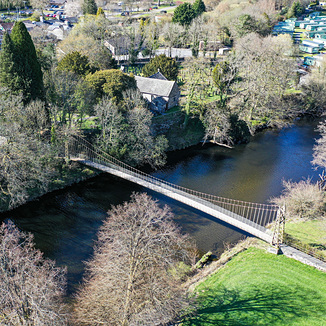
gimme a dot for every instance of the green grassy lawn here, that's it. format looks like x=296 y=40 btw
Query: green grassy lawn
x=312 y=233
x=259 y=288
x=171 y=10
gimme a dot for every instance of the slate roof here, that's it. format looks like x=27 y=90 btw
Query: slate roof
x=158 y=75
x=6 y=26
x=154 y=86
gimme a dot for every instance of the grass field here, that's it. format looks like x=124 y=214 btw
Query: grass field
x=259 y=288
x=312 y=233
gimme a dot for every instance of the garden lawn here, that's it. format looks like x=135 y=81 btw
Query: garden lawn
x=259 y=288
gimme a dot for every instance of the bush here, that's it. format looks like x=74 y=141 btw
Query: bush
x=302 y=200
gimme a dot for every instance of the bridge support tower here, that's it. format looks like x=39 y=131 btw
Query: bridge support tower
x=278 y=232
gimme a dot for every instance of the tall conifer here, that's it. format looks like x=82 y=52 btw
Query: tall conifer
x=8 y=72
x=26 y=63
x=89 y=7
x=199 y=7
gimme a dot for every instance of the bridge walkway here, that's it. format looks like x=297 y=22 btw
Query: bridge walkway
x=249 y=217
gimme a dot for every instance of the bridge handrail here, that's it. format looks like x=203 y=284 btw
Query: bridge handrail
x=258 y=213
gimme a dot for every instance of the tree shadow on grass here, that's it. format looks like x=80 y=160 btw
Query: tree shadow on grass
x=263 y=305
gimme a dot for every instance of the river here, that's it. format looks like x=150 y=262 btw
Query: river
x=64 y=223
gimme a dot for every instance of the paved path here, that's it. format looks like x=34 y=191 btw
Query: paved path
x=303 y=257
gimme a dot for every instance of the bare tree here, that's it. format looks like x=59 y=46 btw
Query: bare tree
x=320 y=147
x=142 y=146
x=172 y=35
x=313 y=89
x=73 y=8
x=302 y=200
x=267 y=71
x=39 y=4
x=132 y=278
x=127 y=134
x=217 y=125
x=111 y=120
x=319 y=155
x=31 y=287
x=26 y=162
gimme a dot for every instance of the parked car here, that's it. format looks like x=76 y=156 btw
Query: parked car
x=155 y=7
x=163 y=11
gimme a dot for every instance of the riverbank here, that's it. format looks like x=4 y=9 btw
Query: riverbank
x=65 y=222
x=69 y=173
x=255 y=287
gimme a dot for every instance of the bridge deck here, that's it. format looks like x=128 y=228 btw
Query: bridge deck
x=186 y=198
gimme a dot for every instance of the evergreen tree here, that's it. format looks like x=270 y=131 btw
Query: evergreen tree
x=111 y=82
x=296 y=10
x=26 y=65
x=76 y=63
x=198 y=7
x=89 y=7
x=184 y=14
x=167 y=66
x=8 y=73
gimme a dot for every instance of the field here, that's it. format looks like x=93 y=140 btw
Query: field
x=312 y=233
x=259 y=288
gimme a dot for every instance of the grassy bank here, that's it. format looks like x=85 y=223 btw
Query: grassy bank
x=259 y=288
x=310 y=234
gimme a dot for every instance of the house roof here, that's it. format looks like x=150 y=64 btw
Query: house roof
x=158 y=75
x=154 y=86
x=6 y=26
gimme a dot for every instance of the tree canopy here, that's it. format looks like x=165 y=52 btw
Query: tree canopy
x=167 y=66
x=89 y=7
x=23 y=68
x=75 y=62
x=245 y=24
x=128 y=134
x=31 y=287
x=296 y=10
x=135 y=275
x=184 y=14
x=199 y=7
x=111 y=82
x=8 y=70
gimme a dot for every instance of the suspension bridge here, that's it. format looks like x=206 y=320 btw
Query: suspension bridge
x=246 y=216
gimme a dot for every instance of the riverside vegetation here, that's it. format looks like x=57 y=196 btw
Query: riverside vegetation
x=226 y=102
x=46 y=97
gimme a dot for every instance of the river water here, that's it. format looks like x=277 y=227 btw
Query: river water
x=64 y=223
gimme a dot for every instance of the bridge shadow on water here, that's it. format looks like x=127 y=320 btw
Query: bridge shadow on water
x=263 y=306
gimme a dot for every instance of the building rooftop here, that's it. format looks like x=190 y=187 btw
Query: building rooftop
x=154 y=86
x=158 y=75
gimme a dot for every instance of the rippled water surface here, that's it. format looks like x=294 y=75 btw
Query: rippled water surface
x=65 y=223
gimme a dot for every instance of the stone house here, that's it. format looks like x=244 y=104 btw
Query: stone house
x=162 y=94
